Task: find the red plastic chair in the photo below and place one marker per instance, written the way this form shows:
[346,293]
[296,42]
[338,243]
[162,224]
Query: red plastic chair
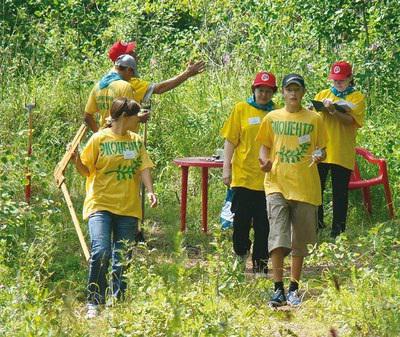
[357,182]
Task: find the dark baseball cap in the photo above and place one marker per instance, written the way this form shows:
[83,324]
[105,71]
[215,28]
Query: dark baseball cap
[293,78]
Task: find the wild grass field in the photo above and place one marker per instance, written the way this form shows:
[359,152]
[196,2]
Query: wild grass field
[189,284]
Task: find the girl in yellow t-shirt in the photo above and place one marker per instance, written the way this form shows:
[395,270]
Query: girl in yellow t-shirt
[114,161]
[346,109]
[242,173]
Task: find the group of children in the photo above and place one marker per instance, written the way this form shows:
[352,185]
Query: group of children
[276,160]
[114,162]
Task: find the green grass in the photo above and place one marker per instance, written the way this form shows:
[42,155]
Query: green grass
[180,285]
[188,284]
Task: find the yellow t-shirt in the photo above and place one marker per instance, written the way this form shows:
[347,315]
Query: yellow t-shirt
[241,129]
[100,100]
[291,138]
[114,163]
[139,87]
[342,138]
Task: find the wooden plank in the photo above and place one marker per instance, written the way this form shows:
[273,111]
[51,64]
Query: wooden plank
[61,166]
[75,221]
[60,182]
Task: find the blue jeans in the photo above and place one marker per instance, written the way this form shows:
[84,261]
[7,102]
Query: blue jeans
[108,234]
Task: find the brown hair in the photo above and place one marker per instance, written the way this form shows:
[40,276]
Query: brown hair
[122,106]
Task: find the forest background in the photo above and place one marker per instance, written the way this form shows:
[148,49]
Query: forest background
[188,285]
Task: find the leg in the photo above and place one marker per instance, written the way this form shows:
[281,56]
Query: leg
[304,233]
[277,257]
[204,197]
[100,237]
[241,221]
[279,242]
[261,231]
[296,267]
[323,170]
[340,182]
[278,298]
[124,232]
[184,182]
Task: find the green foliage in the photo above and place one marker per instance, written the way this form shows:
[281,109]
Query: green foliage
[188,285]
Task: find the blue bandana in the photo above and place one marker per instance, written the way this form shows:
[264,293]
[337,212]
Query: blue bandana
[265,107]
[107,79]
[342,94]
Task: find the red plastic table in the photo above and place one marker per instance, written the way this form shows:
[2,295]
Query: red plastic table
[204,163]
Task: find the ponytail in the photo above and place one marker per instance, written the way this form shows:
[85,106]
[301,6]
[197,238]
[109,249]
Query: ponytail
[122,106]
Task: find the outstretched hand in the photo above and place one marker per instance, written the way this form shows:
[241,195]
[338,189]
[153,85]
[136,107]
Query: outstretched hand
[265,166]
[194,68]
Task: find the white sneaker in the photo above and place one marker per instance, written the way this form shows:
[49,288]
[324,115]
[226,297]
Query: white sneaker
[92,311]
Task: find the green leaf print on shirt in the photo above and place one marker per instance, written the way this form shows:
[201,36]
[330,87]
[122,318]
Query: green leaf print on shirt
[293,156]
[125,172]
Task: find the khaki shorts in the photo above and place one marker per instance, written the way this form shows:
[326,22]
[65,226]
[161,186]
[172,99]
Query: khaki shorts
[292,224]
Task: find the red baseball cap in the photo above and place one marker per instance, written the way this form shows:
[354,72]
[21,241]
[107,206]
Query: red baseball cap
[119,48]
[264,78]
[340,71]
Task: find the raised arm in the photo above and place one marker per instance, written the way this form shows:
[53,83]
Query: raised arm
[192,69]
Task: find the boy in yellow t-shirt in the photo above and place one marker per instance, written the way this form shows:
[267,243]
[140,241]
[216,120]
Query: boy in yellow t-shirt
[242,173]
[113,85]
[292,140]
[341,129]
[114,161]
[143,89]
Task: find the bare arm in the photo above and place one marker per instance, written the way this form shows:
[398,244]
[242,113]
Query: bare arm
[264,160]
[148,183]
[192,70]
[229,148]
[90,122]
[82,169]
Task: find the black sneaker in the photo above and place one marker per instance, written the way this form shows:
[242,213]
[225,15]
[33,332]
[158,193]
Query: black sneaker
[278,299]
[260,267]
